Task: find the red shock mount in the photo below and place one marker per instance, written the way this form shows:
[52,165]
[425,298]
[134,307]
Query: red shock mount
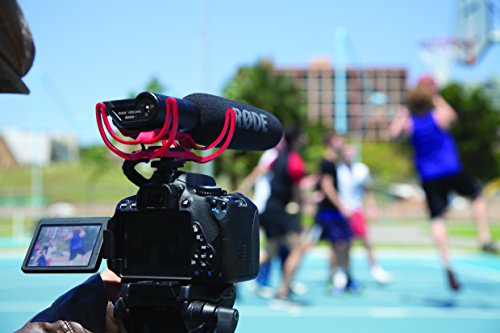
[169,136]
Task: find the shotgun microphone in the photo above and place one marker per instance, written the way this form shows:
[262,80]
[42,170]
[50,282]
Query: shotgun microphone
[200,115]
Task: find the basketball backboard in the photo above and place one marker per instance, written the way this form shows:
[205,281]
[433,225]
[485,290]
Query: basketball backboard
[474,29]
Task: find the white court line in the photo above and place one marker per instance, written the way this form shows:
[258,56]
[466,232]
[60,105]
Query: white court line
[372,312]
[317,311]
[320,275]
[480,271]
[323,253]
[22,306]
[45,284]
[11,256]
[472,270]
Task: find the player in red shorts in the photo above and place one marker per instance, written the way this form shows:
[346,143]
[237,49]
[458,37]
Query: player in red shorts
[353,182]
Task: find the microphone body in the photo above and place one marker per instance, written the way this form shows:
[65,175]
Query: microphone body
[146,112]
[255,129]
[200,115]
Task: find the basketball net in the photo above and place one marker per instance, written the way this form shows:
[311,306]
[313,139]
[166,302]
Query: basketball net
[441,54]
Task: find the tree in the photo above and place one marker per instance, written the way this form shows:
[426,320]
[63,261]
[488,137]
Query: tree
[156,86]
[476,129]
[153,85]
[260,85]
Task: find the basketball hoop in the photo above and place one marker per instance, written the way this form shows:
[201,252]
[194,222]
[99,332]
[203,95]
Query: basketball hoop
[441,53]
[474,20]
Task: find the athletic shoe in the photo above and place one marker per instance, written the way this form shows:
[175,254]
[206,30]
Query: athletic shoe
[298,288]
[339,282]
[452,281]
[489,247]
[352,286]
[260,290]
[339,279]
[381,275]
[285,304]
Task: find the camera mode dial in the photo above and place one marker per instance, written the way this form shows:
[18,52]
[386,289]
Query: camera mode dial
[209,190]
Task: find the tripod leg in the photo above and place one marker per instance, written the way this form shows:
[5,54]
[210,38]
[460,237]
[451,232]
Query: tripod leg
[227,319]
[120,314]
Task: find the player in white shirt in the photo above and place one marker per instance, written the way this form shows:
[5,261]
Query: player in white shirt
[262,185]
[353,185]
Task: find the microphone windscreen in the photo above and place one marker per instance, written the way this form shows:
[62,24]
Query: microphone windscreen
[255,129]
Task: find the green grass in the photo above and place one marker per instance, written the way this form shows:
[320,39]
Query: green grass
[469,230]
[388,162]
[6,227]
[67,182]
[73,183]
[456,228]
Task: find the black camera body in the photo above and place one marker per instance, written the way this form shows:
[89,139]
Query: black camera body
[187,230]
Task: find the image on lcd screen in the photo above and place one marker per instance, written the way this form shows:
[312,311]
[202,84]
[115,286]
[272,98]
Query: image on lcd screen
[62,246]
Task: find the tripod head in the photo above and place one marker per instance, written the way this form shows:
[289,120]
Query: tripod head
[172,307]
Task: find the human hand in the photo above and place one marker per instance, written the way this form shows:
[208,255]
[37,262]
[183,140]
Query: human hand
[112,282]
[345,212]
[108,276]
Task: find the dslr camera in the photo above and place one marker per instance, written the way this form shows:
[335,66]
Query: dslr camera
[181,242]
[183,227]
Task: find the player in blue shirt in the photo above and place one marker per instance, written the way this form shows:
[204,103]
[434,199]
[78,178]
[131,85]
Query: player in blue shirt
[438,165]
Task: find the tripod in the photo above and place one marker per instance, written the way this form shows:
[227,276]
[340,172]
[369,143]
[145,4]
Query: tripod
[171,307]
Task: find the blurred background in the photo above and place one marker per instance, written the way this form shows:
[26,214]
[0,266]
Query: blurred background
[342,65]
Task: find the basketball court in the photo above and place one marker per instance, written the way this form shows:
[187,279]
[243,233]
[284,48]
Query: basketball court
[417,301]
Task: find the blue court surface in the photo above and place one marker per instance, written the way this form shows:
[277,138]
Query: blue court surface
[417,301]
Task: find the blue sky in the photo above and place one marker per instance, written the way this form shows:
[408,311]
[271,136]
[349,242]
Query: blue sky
[89,51]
